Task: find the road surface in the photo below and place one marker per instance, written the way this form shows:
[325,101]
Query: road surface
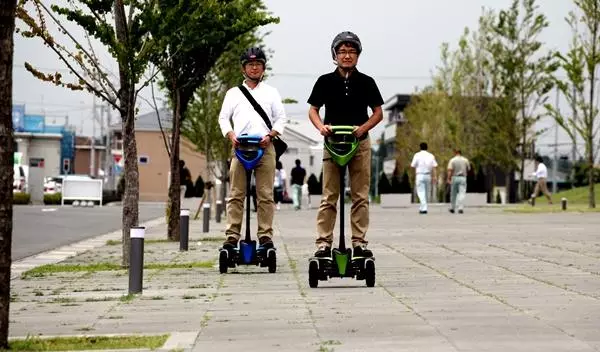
[40,228]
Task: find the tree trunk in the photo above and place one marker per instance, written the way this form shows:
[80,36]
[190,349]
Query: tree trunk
[590,159]
[173,231]
[522,191]
[127,107]
[132,183]
[7,26]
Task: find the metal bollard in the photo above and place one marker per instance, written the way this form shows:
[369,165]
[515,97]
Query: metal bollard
[563,203]
[218,211]
[184,229]
[136,259]
[205,217]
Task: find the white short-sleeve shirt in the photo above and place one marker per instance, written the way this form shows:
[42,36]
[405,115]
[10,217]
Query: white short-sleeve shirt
[423,162]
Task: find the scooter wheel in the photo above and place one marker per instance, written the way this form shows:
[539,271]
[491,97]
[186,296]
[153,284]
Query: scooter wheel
[313,274]
[272,260]
[223,261]
[370,273]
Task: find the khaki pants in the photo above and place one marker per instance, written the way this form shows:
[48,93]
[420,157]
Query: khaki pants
[360,179]
[265,172]
[541,185]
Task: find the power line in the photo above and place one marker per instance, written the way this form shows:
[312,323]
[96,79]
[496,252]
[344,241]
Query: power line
[314,75]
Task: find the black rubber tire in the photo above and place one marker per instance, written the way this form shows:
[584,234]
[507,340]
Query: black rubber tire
[272,260]
[223,264]
[370,273]
[313,274]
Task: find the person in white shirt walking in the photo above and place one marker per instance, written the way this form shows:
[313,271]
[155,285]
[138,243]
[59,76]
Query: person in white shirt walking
[246,120]
[425,166]
[541,173]
[279,184]
[458,167]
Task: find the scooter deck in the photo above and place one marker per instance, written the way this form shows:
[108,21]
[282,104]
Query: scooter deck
[259,258]
[330,266]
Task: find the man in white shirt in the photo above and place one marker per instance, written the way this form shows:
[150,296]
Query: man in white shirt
[541,173]
[424,164]
[238,110]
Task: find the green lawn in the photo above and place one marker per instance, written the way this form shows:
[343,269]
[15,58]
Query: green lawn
[577,201]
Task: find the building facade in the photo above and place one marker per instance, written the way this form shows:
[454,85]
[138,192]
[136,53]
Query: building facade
[153,159]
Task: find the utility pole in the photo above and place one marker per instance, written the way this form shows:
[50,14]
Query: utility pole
[555,163]
[108,169]
[574,148]
[93,142]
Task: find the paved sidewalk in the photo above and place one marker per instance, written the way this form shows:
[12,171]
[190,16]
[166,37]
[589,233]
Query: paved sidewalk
[481,281]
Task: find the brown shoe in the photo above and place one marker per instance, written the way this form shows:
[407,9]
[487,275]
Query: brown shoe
[230,242]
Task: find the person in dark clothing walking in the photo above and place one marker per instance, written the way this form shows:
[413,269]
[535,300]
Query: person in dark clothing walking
[298,176]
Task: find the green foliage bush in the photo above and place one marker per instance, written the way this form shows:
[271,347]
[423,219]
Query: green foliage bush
[52,199]
[21,198]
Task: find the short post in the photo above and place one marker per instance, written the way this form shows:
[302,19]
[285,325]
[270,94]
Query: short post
[205,216]
[184,229]
[563,203]
[218,211]
[136,259]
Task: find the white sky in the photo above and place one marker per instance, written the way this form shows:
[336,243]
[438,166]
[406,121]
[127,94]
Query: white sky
[401,41]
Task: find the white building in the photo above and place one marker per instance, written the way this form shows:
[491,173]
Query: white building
[305,143]
[40,150]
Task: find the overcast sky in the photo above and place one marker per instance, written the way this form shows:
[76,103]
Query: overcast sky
[401,42]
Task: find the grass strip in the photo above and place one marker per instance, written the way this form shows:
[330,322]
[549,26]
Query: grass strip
[87,343]
[47,269]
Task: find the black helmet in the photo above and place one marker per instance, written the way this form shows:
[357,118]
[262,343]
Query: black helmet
[345,37]
[253,54]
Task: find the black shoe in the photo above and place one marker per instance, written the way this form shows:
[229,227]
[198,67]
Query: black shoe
[265,242]
[460,211]
[361,251]
[422,211]
[451,210]
[323,251]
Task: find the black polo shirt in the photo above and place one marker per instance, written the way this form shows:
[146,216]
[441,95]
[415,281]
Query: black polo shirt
[346,100]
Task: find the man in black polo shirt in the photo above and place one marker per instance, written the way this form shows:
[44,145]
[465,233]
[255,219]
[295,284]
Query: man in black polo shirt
[346,94]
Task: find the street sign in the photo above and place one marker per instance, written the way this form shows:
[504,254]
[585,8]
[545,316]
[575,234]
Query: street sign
[36,162]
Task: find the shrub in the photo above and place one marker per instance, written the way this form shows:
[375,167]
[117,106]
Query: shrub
[52,199]
[383,186]
[314,186]
[21,198]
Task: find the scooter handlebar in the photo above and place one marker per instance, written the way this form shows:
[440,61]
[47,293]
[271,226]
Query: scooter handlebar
[342,129]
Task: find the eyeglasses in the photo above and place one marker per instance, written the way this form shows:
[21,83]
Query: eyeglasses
[254,64]
[343,53]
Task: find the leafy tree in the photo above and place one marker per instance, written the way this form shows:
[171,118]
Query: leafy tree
[524,71]
[127,40]
[580,64]
[7,26]
[193,35]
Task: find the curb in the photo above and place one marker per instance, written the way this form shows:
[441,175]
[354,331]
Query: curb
[59,254]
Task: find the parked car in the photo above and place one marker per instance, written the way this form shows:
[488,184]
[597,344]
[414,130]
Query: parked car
[53,184]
